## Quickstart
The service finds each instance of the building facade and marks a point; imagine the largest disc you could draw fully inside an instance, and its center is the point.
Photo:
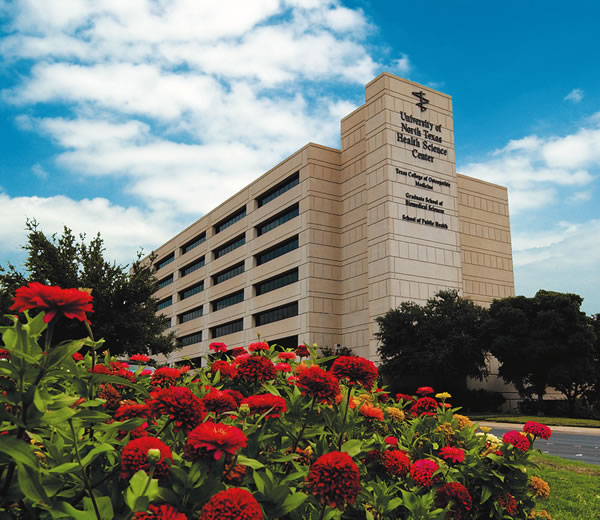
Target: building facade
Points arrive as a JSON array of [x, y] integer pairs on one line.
[[319, 246]]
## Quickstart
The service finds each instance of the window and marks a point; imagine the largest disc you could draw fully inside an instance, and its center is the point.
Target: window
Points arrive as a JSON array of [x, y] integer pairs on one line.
[[190, 339], [163, 304], [228, 273], [229, 246], [184, 317], [165, 281], [190, 291], [195, 242], [277, 314], [228, 301], [276, 282], [276, 251], [230, 220], [227, 328], [280, 189], [190, 268], [286, 343], [277, 220], [165, 261]]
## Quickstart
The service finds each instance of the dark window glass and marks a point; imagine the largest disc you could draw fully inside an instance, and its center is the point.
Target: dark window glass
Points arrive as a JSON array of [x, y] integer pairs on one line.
[[190, 315], [229, 246], [288, 342], [190, 339], [228, 301], [228, 273], [195, 362], [227, 328], [163, 304], [277, 220], [190, 291], [195, 242], [231, 219], [276, 251], [280, 189], [165, 281], [276, 282], [165, 261], [279, 313], [190, 268]]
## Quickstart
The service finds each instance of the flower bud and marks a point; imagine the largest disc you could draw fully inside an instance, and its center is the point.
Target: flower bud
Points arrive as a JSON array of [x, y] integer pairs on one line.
[[153, 455], [244, 409]]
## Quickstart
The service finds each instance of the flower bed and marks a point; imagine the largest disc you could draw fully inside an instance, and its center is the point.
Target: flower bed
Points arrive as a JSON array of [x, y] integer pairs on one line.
[[259, 433]]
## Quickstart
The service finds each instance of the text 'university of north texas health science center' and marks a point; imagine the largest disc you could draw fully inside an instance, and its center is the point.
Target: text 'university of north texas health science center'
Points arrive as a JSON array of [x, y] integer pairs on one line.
[[319, 246]]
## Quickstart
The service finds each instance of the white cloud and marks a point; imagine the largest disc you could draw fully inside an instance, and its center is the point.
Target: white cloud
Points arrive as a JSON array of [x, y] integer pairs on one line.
[[39, 171], [576, 95]]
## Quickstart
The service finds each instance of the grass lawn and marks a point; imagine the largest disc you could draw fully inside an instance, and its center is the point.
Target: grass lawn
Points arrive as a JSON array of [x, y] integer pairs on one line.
[[574, 488], [549, 421]]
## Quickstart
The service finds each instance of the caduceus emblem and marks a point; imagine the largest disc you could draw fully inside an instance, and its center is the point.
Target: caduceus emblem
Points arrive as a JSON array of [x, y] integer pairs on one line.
[[422, 100]]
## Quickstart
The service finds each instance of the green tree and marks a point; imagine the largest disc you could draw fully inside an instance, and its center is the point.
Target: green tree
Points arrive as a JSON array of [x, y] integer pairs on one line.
[[124, 304], [438, 344], [544, 341]]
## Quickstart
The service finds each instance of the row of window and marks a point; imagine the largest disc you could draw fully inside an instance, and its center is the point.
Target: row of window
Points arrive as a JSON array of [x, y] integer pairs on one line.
[[269, 195]]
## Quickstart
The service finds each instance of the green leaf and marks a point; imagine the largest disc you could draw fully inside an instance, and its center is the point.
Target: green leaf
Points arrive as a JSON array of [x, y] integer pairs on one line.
[[57, 417], [95, 452], [486, 493], [65, 350], [352, 447], [251, 463], [29, 484], [19, 450], [293, 501], [259, 481], [64, 468]]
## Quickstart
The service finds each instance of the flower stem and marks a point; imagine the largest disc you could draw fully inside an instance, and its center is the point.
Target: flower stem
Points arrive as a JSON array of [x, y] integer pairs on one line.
[[322, 515], [299, 438], [231, 466], [86, 481], [348, 397]]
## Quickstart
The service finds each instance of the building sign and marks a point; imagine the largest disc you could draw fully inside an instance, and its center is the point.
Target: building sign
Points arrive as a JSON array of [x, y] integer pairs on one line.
[[420, 133]]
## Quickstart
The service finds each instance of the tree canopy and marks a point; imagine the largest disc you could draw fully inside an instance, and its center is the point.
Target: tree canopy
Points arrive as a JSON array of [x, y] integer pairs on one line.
[[438, 344], [124, 304], [544, 341]]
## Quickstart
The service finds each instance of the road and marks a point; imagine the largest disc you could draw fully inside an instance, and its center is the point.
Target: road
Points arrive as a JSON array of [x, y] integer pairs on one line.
[[582, 444]]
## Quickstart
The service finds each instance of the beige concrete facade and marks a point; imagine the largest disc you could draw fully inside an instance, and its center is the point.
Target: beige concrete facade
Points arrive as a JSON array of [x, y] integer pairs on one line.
[[383, 220]]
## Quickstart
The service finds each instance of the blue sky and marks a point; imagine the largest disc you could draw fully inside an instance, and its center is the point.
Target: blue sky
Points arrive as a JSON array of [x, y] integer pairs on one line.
[[135, 118]]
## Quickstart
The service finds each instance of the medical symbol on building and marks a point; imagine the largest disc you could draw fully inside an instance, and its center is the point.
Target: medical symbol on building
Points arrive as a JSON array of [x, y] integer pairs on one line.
[[422, 100]]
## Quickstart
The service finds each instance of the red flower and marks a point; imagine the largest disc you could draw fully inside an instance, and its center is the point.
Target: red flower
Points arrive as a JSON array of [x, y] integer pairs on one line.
[[452, 454], [142, 358], [537, 430], [238, 351], [125, 374], [146, 372], [214, 439], [422, 472], [508, 502], [286, 355], [219, 402], [355, 370], [237, 396], [424, 390], [232, 504], [396, 462], [382, 395], [317, 383], [135, 457], [392, 441], [101, 369], [424, 405], [72, 303], [129, 410], [404, 397], [263, 403], [255, 368], [218, 347], [302, 351], [77, 356], [5, 354], [164, 377], [179, 404], [226, 369], [371, 412], [111, 395], [259, 345], [161, 512], [283, 367], [458, 496], [519, 441], [334, 479]]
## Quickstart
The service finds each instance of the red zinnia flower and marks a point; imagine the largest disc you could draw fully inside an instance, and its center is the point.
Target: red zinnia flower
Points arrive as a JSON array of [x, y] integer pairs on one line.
[[283, 367], [180, 404], [259, 345], [238, 351], [302, 351], [452, 454], [164, 377], [424, 405], [142, 358], [77, 356], [219, 402], [111, 395], [315, 382], [255, 368], [129, 410], [509, 503], [226, 369], [161, 512], [392, 441], [334, 479], [262, 403], [396, 462], [232, 504], [146, 372], [519, 441], [458, 496], [355, 370], [5, 354], [218, 347], [404, 397], [135, 457], [382, 395], [238, 397], [537, 430], [72, 303], [371, 412], [286, 355], [422, 472], [212, 437], [424, 390], [101, 369]]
